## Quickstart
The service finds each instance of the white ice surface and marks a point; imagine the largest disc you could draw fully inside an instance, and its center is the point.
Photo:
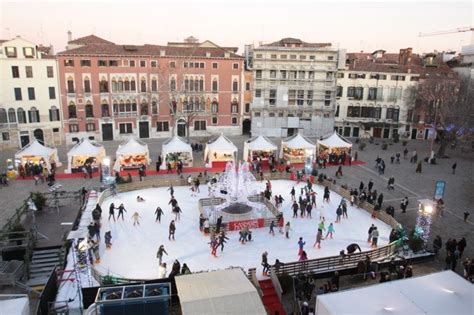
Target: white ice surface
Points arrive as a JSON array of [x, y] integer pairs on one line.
[[133, 254]]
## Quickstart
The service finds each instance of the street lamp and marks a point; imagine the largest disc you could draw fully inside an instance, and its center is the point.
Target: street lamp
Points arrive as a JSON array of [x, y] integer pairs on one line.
[[426, 209]]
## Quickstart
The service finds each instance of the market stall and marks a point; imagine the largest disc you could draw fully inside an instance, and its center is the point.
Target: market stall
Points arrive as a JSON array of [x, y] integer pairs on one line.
[[36, 153], [297, 148], [259, 147], [219, 149], [131, 154], [333, 149], [83, 153], [176, 149]]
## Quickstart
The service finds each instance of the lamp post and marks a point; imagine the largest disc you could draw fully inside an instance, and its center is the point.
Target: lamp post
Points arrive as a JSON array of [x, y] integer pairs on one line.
[[426, 210]]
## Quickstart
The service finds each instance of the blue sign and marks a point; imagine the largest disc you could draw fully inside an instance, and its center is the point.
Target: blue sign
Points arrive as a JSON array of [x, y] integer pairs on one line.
[[439, 190]]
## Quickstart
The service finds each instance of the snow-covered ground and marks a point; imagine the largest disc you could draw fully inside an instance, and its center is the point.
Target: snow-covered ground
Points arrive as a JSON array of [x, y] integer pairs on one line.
[[133, 254]]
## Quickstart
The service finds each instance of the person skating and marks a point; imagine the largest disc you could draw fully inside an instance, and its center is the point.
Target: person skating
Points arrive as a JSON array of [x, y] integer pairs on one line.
[[177, 211], [295, 209], [171, 230], [159, 212], [326, 194], [466, 215], [309, 208], [171, 190], [281, 223], [331, 230], [339, 172], [121, 210], [375, 236], [369, 239], [265, 264], [136, 218], [404, 204], [272, 227], [108, 240], [343, 205], [351, 248], [221, 240], [303, 256], [140, 199], [293, 193], [112, 211], [301, 244], [287, 229], [218, 224], [213, 243], [95, 250], [418, 167], [159, 254], [173, 202], [338, 214]]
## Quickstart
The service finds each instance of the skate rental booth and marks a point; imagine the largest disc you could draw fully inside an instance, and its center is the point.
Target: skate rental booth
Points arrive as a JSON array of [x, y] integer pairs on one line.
[[334, 143], [176, 149], [259, 147], [37, 153], [219, 151], [131, 155], [82, 152], [297, 148], [443, 292]]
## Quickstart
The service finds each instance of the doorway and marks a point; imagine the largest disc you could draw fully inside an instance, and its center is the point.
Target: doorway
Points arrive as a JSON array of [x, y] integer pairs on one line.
[[413, 133], [386, 133], [347, 132], [24, 140], [143, 129], [181, 128], [38, 134], [246, 127], [107, 132], [427, 134], [377, 132], [291, 131]]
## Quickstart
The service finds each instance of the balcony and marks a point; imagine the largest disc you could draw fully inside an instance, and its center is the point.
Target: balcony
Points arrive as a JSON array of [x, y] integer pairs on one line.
[[125, 115]]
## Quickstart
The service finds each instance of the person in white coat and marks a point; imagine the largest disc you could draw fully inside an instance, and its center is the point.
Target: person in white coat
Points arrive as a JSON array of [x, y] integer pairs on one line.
[[162, 271]]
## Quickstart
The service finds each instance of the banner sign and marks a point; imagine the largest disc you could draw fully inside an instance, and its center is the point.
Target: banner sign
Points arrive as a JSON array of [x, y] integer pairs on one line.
[[439, 190]]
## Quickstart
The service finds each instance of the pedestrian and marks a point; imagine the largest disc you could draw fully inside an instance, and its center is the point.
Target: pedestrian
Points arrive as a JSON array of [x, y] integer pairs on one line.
[[265, 264], [449, 261], [461, 246], [397, 157], [281, 223], [339, 171], [454, 167], [112, 211], [185, 269], [437, 244], [159, 254], [331, 230], [171, 230], [369, 239], [404, 204], [108, 240], [466, 215], [380, 200], [418, 167], [136, 217], [309, 208], [375, 236], [121, 210], [272, 226], [392, 158], [287, 229], [159, 213], [405, 153], [301, 244], [361, 186], [370, 185]]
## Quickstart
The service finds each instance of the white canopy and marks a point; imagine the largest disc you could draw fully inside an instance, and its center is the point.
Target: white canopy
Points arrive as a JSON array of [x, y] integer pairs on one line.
[[298, 141], [260, 143], [334, 141], [175, 145], [219, 146], [132, 147], [438, 293], [218, 292], [15, 304], [85, 148], [37, 150]]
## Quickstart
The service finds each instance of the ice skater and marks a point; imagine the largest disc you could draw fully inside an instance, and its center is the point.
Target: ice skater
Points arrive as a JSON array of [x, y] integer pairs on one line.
[[159, 213], [369, 239], [331, 230], [112, 211], [140, 199], [171, 190], [272, 226], [171, 230], [326, 194], [375, 237], [301, 244], [121, 210], [338, 214], [265, 264], [293, 193], [343, 204], [177, 211], [295, 209], [108, 240], [287, 229], [136, 218], [351, 248], [159, 254], [214, 244], [319, 237], [309, 208], [221, 240]]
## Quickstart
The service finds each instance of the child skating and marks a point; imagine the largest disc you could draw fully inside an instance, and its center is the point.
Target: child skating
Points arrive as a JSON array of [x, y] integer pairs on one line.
[[136, 218], [331, 230]]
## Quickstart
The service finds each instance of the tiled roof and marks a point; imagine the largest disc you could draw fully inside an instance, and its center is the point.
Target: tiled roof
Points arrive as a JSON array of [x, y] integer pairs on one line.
[[295, 41], [3, 40], [44, 49], [91, 39]]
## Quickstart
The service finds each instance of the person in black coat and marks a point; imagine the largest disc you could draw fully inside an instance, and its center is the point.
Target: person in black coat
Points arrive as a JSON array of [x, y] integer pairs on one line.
[[352, 248], [218, 224]]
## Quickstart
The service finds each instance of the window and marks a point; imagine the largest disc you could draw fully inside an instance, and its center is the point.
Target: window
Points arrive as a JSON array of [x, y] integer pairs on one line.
[[258, 93], [330, 58], [273, 74], [340, 75], [301, 75], [291, 97], [133, 86], [215, 107], [33, 115], [54, 114], [309, 102], [414, 78], [235, 66], [143, 86], [200, 125], [113, 63], [28, 52], [256, 114], [302, 57], [52, 93], [162, 126], [215, 65], [272, 99], [214, 85], [105, 110], [104, 86], [273, 56], [31, 93], [283, 74], [293, 75], [352, 75], [154, 85], [393, 113], [21, 116], [311, 75], [214, 120], [70, 86], [372, 94], [102, 63], [125, 128], [353, 111], [144, 108], [172, 64], [11, 115], [87, 85], [359, 93], [49, 72], [73, 128], [5, 136], [258, 74], [234, 108], [29, 71], [235, 86], [337, 111], [15, 72], [69, 62], [3, 116], [258, 56], [283, 57], [173, 84], [10, 52], [247, 107], [201, 65], [18, 96], [90, 127], [154, 107], [247, 86], [312, 57], [89, 110], [142, 63], [271, 114], [300, 97], [85, 63], [234, 120], [154, 64], [339, 91], [131, 63], [293, 57]]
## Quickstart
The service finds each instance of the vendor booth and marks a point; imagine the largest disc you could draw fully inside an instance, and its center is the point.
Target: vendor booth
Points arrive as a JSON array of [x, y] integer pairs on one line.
[[259, 148], [174, 150], [131, 155], [36, 153], [297, 148], [83, 153], [219, 149], [333, 149]]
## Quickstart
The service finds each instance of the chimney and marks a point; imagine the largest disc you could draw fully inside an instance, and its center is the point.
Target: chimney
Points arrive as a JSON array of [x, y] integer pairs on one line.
[[404, 57], [69, 36]]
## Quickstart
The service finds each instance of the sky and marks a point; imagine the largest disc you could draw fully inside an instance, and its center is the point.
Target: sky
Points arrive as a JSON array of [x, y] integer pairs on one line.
[[350, 24]]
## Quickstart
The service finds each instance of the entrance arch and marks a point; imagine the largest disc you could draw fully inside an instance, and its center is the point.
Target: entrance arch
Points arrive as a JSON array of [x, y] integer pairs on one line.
[[246, 127], [38, 134], [181, 128]]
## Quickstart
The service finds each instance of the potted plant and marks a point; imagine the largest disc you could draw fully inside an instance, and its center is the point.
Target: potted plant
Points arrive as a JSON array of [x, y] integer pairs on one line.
[[39, 200]]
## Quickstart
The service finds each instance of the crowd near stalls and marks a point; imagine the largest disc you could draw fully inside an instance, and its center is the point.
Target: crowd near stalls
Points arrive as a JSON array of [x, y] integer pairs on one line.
[[37, 154], [259, 148], [219, 149], [131, 154], [85, 154], [176, 149], [297, 148], [334, 148]]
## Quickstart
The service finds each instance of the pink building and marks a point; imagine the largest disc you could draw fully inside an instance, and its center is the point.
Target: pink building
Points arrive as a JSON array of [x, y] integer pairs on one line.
[[111, 91]]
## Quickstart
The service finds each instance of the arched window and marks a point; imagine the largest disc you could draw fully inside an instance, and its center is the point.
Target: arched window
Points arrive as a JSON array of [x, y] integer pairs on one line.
[[154, 107], [196, 85], [11, 115], [3, 116], [87, 85], [215, 86], [70, 85], [144, 108], [120, 85], [134, 106], [201, 84], [133, 85], [54, 114], [89, 110], [235, 86], [143, 86], [191, 84], [33, 115], [197, 103], [173, 84], [124, 107], [116, 108], [154, 85], [234, 106], [214, 106], [72, 110], [114, 85], [103, 86], [186, 84], [127, 85], [21, 116], [105, 109]]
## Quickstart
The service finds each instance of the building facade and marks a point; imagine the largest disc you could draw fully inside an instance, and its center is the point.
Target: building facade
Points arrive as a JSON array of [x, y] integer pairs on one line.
[[29, 94], [112, 91], [294, 85]]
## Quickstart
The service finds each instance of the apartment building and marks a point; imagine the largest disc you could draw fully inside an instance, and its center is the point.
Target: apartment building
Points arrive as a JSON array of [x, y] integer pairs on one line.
[[294, 85], [29, 94], [112, 91]]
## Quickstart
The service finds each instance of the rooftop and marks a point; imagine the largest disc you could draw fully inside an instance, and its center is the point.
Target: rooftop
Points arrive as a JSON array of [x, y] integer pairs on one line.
[[296, 43]]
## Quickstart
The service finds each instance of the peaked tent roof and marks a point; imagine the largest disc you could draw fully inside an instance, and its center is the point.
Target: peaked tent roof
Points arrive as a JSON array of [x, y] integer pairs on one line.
[[261, 143], [298, 141], [35, 148], [221, 143], [87, 148], [132, 146], [176, 144], [335, 141]]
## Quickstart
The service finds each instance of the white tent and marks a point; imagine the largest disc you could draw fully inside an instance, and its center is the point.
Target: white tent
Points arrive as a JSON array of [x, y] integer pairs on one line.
[[297, 148], [177, 148], [218, 292], [261, 144], [220, 149], [14, 304], [35, 151], [438, 293], [131, 154], [83, 150], [334, 141]]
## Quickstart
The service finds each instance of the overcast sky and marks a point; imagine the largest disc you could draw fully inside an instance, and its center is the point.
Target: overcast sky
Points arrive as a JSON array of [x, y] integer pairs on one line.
[[348, 24]]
